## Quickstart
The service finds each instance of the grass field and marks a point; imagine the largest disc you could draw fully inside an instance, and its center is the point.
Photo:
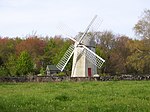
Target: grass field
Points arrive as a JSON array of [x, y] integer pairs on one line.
[[113, 96]]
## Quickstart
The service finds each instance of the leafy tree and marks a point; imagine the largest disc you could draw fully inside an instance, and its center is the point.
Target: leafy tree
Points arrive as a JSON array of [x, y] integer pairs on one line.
[[35, 47], [12, 65], [142, 28], [139, 60], [135, 63], [24, 63], [7, 47], [105, 42], [119, 54], [50, 51]]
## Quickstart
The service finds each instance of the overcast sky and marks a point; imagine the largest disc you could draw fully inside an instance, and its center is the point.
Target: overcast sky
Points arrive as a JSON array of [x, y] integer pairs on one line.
[[22, 17]]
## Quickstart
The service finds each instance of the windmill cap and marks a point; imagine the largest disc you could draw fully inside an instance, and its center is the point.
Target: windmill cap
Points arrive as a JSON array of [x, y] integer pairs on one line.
[[88, 40]]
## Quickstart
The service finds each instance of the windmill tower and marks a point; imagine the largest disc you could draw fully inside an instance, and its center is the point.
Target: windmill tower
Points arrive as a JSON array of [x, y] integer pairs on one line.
[[85, 60], [81, 66]]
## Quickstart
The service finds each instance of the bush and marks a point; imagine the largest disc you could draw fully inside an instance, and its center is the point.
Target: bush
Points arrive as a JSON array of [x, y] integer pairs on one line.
[[3, 71], [42, 71], [61, 74]]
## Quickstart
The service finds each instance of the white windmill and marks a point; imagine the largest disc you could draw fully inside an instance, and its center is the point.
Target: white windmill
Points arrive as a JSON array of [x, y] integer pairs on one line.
[[85, 60]]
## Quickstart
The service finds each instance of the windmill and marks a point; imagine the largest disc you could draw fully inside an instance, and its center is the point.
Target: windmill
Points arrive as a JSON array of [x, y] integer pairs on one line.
[[85, 60]]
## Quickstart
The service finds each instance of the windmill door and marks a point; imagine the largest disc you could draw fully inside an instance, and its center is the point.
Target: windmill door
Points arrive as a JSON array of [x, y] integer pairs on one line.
[[89, 72]]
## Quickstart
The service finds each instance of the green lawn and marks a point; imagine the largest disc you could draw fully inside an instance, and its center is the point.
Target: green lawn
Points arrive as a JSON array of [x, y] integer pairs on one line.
[[113, 96]]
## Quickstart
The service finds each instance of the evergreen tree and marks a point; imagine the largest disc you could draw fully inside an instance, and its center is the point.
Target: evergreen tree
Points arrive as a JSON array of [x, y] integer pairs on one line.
[[24, 64], [11, 65]]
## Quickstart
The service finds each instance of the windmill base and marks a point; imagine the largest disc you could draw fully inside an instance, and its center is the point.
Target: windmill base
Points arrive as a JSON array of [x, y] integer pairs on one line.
[[81, 66]]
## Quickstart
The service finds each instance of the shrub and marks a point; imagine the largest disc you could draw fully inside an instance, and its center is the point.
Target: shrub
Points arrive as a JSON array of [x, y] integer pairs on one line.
[[3, 71], [61, 74], [42, 71]]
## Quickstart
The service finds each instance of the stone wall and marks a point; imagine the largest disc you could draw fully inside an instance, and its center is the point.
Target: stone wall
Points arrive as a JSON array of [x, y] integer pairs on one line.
[[67, 78], [33, 79]]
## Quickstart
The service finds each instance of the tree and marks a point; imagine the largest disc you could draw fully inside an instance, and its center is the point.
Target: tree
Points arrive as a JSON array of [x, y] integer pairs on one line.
[[119, 54], [105, 42], [7, 47], [142, 28], [33, 45], [50, 50], [24, 63], [139, 60], [12, 65]]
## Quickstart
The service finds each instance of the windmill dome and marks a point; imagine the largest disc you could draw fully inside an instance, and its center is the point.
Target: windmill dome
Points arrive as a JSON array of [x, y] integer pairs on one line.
[[89, 41]]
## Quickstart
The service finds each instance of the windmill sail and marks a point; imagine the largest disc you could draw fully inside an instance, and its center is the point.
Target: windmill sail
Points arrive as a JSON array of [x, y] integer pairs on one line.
[[87, 29], [64, 60], [92, 30], [93, 57]]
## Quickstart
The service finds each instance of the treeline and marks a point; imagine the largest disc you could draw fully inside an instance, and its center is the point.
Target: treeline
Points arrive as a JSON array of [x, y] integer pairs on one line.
[[32, 55], [123, 55]]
